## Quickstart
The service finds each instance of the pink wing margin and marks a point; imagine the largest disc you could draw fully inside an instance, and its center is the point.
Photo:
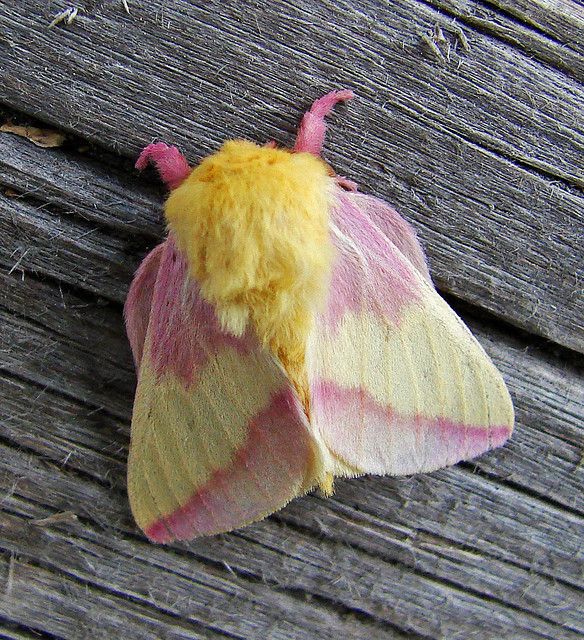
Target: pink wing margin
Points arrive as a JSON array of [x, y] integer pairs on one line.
[[398, 232], [139, 302]]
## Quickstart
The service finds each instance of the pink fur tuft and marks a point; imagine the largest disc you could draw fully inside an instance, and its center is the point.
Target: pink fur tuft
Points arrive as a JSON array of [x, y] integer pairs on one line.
[[169, 162], [312, 129]]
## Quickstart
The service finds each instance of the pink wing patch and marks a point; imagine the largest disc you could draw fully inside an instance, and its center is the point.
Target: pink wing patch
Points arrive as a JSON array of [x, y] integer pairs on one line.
[[364, 264], [139, 302], [361, 430], [398, 384], [257, 481], [399, 232], [185, 332]]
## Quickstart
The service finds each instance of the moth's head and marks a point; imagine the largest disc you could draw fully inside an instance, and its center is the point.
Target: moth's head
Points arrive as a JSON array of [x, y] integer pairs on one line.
[[242, 159], [243, 180]]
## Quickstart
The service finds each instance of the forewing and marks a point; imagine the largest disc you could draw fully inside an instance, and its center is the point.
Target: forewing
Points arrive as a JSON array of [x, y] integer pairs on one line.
[[219, 438], [139, 302], [398, 231], [398, 383]]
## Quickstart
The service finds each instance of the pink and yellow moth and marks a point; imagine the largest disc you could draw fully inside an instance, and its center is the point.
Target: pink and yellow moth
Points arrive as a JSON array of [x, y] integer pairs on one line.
[[285, 333]]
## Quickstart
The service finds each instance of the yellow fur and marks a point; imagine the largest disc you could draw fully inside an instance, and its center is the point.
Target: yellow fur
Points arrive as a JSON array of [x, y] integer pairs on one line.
[[253, 223], [327, 484]]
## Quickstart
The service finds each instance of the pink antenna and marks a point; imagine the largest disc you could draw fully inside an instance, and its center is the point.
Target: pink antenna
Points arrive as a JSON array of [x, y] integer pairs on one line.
[[169, 162], [310, 136]]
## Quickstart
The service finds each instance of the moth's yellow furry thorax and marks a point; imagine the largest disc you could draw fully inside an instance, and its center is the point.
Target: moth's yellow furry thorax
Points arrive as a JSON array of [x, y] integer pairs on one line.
[[253, 223]]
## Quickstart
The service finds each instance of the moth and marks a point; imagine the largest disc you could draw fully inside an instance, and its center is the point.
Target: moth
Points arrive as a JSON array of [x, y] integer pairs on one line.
[[285, 333]]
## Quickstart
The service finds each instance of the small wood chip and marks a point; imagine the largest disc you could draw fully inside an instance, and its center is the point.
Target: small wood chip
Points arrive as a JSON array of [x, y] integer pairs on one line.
[[126, 7], [56, 518], [462, 39], [438, 34], [433, 47], [45, 138], [67, 16]]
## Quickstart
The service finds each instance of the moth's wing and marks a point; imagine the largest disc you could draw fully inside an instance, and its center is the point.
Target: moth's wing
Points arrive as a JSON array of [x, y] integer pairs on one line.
[[219, 438], [398, 231], [398, 383], [139, 302]]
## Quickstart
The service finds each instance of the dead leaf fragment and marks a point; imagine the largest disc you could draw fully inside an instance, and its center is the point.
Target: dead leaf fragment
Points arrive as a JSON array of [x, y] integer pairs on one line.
[[56, 518], [45, 138]]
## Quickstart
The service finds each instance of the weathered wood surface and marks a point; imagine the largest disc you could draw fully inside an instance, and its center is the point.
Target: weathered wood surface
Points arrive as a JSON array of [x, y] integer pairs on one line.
[[481, 149]]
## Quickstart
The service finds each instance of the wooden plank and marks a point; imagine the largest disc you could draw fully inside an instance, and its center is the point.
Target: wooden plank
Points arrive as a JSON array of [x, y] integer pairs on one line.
[[519, 529], [64, 248], [187, 588], [546, 31], [129, 210], [472, 154], [131, 72], [13, 632], [548, 396], [562, 20], [89, 361], [94, 191], [88, 440], [35, 354], [97, 209], [480, 148], [59, 606]]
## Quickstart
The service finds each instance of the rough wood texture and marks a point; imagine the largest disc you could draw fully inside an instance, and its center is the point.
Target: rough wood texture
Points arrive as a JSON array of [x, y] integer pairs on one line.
[[481, 149]]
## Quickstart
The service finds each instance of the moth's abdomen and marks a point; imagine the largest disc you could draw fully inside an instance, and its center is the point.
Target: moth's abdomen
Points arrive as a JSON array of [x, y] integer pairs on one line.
[[253, 223]]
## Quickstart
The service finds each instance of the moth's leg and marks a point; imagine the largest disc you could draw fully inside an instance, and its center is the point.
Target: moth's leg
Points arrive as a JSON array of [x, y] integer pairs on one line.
[[346, 184]]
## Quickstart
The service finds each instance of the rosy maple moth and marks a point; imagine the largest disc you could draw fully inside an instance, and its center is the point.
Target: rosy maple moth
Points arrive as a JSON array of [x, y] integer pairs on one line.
[[285, 333]]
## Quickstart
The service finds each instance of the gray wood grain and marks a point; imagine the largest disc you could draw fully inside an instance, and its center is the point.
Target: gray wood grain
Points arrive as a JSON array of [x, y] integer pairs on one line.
[[74, 609], [317, 556], [478, 149], [549, 32], [562, 20]]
